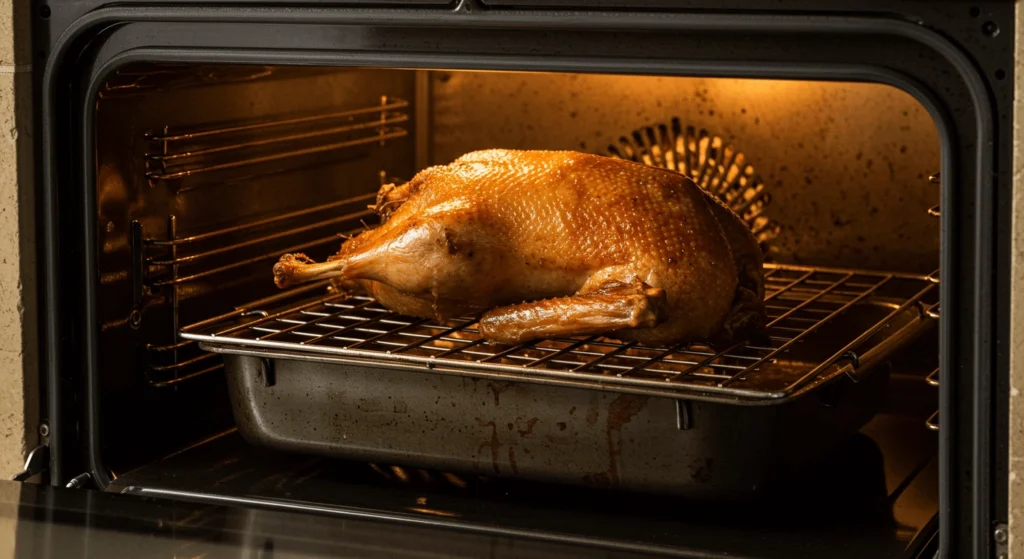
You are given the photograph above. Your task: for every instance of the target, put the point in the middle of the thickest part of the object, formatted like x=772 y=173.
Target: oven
x=185 y=148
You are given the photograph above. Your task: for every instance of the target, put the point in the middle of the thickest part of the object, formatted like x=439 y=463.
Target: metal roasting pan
x=498 y=424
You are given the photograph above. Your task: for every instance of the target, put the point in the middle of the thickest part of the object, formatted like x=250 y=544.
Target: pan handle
x=859 y=366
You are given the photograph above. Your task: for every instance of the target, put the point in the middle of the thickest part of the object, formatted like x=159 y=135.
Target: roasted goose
x=554 y=243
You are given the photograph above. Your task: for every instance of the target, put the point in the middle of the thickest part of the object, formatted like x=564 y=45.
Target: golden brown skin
x=555 y=243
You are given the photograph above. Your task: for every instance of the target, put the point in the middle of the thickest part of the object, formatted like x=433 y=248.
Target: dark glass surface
x=874 y=498
x=64 y=523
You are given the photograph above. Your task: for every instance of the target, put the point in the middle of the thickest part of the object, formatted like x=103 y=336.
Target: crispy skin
x=636 y=252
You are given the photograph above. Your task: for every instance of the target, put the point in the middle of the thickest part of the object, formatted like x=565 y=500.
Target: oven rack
x=177 y=154
x=817 y=331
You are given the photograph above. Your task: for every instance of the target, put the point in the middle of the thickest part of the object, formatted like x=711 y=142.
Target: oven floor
x=877 y=497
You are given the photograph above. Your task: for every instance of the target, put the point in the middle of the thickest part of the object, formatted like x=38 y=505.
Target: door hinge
x=38 y=461
x=79 y=481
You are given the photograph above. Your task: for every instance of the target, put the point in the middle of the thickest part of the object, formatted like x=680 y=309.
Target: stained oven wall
x=847 y=164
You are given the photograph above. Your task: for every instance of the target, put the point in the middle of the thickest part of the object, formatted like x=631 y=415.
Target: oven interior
x=205 y=175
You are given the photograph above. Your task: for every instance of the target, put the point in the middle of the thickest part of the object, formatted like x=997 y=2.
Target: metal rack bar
x=192 y=375
x=247 y=261
x=562 y=351
x=298 y=325
x=933 y=377
x=386 y=134
x=261 y=222
x=181 y=364
x=176 y=258
x=264 y=239
x=388 y=104
x=509 y=351
x=172 y=157
x=433 y=337
x=264 y=318
x=454 y=350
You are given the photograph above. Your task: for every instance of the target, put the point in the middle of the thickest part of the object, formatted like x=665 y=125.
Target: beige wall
x=1017 y=306
x=17 y=257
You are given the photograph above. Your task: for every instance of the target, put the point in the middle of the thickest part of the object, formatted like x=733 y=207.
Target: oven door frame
x=975 y=170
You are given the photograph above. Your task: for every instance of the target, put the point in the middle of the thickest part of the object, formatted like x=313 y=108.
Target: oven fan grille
x=712 y=162
x=811 y=340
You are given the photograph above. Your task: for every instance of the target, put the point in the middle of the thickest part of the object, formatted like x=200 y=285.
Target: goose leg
x=614 y=306
x=293 y=269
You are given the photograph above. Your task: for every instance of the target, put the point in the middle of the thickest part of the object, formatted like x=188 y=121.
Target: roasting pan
x=715 y=434
x=521 y=429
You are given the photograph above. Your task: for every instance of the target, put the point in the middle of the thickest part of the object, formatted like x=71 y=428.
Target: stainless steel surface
x=822 y=320
x=712 y=162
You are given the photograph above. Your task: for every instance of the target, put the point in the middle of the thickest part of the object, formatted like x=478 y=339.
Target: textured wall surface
x=846 y=163
x=18 y=371
x=1017 y=306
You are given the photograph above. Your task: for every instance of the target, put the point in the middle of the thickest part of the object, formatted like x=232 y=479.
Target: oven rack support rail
x=168 y=263
x=932 y=423
x=177 y=154
x=811 y=341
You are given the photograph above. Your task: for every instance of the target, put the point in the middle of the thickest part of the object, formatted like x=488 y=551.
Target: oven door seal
x=973 y=180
